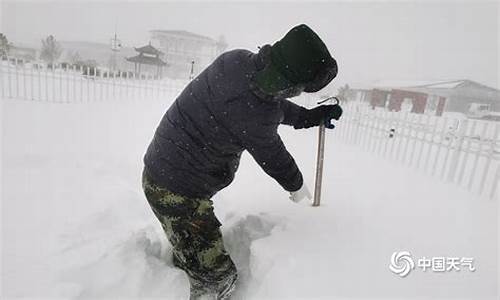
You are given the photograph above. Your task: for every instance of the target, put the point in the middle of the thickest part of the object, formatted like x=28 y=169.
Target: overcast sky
x=370 y=40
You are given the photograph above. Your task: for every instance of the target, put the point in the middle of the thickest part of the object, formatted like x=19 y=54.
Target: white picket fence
x=71 y=84
x=464 y=152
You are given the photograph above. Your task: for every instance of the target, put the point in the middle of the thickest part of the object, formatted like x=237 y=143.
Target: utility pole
x=116 y=46
x=191 y=75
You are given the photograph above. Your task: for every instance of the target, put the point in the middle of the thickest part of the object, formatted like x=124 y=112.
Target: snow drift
x=76 y=225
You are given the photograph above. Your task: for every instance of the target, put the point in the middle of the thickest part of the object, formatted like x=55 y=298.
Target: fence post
x=448 y=151
x=458 y=148
x=80 y=75
x=372 y=130
x=345 y=122
x=119 y=85
x=151 y=88
x=134 y=89
x=390 y=135
x=108 y=74
x=431 y=143
x=360 y=131
x=114 y=85
x=395 y=137
x=478 y=154
x=489 y=157
x=466 y=152
x=60 y=84
x=32 y=84
x=54 y=98
x=496 y=179
x=67 y=74
x=73 y=76
x=87 y=77
x=383 y=131
x=400 y=134
x=349 y=136
x=46 y=75
x=101 y=86
x=17 y=79
x=39 y=76
x=440 y=144
x=125 y=86
x=2 y=83
x=384 y=138
x=25 y=92
x=376 y=129
x=9 y=77
x=424 y=139
x=417 y=129
x=143 y=86
x=94 y=84
x=158 y=81
x=364 y=121
x=408 y=125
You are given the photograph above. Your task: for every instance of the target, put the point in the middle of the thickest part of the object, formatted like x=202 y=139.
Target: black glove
x=321 y=114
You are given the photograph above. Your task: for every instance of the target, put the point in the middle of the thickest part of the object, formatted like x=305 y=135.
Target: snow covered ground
x=75 y=223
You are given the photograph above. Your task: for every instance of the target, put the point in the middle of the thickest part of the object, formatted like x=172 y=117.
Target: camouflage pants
x=193 y=230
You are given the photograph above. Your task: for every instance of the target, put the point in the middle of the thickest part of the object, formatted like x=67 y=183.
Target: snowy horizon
x=414 y=40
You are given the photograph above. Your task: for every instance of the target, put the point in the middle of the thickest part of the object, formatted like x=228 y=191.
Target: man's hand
x=321 y=114
x=325 y=113
x=299 y=195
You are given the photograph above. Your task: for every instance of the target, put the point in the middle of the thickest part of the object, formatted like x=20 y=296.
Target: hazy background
x=419 y=40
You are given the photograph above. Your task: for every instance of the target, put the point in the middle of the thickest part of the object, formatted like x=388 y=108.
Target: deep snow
x=75 y=223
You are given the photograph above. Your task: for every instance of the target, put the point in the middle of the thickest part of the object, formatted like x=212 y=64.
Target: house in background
x=462 y=96
x=182 y=48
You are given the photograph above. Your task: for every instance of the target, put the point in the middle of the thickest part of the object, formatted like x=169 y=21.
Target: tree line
x=50 y=53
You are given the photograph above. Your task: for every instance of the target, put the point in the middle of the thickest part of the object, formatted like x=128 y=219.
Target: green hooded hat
x=299 y=58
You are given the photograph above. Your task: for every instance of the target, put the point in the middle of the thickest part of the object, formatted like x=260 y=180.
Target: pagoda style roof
x=148 y=49
x=146 y=60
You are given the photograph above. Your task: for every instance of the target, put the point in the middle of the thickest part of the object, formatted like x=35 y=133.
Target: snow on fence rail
x=465 y=152
x=73 y=84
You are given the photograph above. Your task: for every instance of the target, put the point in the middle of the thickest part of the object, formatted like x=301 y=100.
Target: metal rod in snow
x=319 y=165
x=320 y=158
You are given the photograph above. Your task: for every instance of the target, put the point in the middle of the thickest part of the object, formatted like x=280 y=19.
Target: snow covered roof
x=148 y=49
x=440 y=86
x=444 y=84
x=183 y=33
x=390 y=84
x=400 y=83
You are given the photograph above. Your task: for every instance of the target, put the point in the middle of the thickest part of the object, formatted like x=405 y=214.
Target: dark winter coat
x=197 y=146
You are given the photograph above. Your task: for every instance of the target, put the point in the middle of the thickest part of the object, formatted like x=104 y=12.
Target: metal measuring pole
x=320 y=158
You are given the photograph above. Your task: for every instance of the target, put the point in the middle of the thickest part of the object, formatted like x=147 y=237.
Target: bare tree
x=51 y=50
x=74 y=57
x=4 y=45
